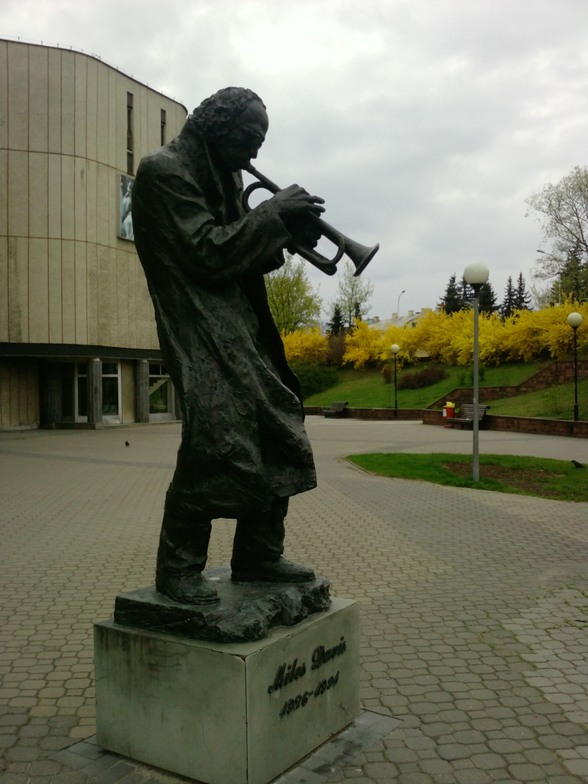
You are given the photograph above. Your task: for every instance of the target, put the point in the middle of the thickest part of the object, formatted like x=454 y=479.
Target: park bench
x=466 y=415
x=336 y=410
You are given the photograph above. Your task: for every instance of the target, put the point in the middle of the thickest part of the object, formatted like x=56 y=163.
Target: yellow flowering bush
x=524 y=337
x=363 y=346
x=306 y=345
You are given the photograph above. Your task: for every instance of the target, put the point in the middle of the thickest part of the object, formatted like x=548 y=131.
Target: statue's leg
x=182 y=553
x=258 y=546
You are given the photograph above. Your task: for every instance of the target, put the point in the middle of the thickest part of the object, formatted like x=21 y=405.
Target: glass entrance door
x=111 y=391
x=161 y=396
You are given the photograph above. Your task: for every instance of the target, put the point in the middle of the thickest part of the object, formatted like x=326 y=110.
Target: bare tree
x=353 y=295
x=563 y=210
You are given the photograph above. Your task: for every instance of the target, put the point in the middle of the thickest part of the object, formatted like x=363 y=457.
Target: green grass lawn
x=556 y=402
x=366 y=389
x=542 y=477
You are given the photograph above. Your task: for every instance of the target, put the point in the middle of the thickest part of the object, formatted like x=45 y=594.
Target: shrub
x=314 y=378
x=466 y=377
x=336 y=349
x=421 y=378
x=306 y=346
x=363 y=346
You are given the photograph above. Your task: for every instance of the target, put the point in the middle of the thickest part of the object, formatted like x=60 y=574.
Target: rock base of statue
x=227 y=713
x=246 y=611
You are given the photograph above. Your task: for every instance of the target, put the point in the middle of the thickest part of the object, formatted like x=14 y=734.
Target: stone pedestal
x=227 y=713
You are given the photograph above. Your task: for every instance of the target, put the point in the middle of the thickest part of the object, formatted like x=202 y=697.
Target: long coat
x=243 y=437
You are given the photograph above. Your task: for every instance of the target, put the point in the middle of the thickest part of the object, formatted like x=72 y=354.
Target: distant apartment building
x=78 y=344
x=411 y=318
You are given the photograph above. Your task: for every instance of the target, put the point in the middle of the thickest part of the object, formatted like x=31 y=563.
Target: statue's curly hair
x=216 y=115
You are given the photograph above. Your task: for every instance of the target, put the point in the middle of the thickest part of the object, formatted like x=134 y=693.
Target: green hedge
x=314 y=378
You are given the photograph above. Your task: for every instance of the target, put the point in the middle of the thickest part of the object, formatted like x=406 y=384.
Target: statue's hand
x=295 y=201
x=306 y=232
x=297 y=208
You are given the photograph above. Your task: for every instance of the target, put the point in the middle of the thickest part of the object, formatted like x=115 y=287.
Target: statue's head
x=234 y=123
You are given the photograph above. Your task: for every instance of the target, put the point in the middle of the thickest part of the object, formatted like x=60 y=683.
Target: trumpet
x=360 y=255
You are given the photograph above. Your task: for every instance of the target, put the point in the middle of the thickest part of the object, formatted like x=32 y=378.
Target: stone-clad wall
x=65 y=275
x=19 y=393
x=537 y=425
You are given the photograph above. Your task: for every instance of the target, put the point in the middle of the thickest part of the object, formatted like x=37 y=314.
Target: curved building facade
x=78 y=343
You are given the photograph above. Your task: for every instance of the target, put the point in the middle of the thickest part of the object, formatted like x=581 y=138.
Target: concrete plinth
x=233 y=713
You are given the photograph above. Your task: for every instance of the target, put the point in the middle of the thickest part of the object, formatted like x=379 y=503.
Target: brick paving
x=474 y=605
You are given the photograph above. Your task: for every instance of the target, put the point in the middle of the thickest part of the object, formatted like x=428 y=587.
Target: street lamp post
x=574 y=320
x=476 y=275
x=398 y=303
x=395 y=348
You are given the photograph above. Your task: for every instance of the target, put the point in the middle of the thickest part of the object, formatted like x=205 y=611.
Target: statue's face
x=243 y=141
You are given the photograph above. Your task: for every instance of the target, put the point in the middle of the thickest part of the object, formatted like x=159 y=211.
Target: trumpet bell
x=359 y=254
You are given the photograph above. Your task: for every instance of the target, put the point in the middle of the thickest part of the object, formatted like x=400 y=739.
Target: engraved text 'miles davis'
x=288 y=673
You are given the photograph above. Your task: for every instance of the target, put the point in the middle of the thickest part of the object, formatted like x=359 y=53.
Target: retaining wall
x=537 y=425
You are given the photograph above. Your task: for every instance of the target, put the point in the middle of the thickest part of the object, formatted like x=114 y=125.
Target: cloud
x=425 y=125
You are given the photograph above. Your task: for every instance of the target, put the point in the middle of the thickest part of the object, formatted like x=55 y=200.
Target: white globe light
x=395 y=348
x=575 y=319
x=476 y=274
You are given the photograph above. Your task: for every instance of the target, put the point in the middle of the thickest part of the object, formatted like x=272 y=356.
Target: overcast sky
x=425 y=124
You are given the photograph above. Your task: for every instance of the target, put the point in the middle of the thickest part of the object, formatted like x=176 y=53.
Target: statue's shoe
x=280 y=571
x=186 y=587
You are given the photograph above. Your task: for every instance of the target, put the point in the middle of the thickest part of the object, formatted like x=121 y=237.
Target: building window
x=130 y=138
x=162 y=127
x=161 y=397
x=110 y=390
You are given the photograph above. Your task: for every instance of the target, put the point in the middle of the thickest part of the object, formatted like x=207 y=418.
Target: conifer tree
x=573 y=279
x=508 y=303
x=467 y=293
x=336 y=325
x=452 y=301
x=522 y=298
x=487 y=299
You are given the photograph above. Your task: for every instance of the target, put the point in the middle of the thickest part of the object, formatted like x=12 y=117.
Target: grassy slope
x=556 y=402
x=366 y=389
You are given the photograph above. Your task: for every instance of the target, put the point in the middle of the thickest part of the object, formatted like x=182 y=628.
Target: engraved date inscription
x=302 y=699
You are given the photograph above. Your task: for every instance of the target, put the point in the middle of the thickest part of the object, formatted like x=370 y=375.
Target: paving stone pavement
x=474 y=605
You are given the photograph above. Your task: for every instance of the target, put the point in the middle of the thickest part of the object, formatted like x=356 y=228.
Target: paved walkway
x=474 y=605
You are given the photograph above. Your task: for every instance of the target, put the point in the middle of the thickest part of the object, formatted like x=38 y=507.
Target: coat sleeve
x=173 y=222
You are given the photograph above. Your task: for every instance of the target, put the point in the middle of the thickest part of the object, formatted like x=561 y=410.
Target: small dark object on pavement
x=578 y=465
